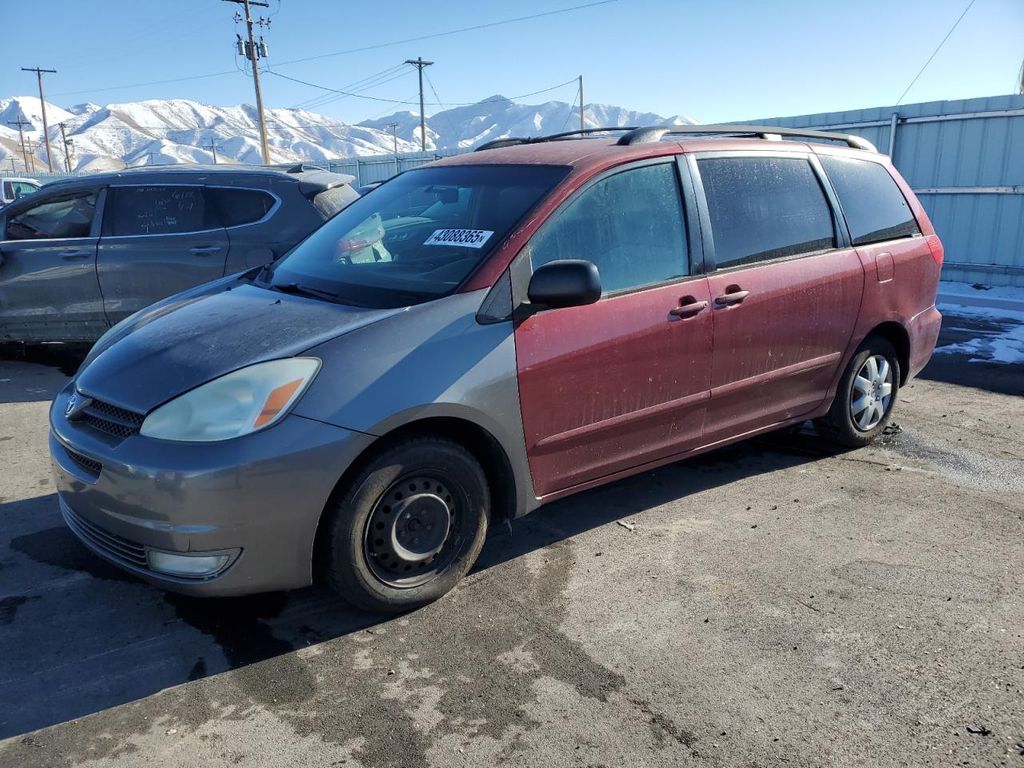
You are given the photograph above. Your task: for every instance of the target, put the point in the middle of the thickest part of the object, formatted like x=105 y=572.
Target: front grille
x=111 y=420
x=85 y=462
x=114 y=546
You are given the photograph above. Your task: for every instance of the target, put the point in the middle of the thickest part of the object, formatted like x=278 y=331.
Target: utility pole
x=254 y=52
x=42 y=104
x=21 y=136
x=67 y=143
x=394 y=137
x=13 y=169
x=213 y=146
x=583 y=126
x=30 y=150
x=419 y=63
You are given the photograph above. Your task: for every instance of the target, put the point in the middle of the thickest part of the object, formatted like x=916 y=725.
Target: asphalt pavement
x=773 y=603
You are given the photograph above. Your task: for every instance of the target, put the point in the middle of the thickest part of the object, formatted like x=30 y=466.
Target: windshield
x=417 y=237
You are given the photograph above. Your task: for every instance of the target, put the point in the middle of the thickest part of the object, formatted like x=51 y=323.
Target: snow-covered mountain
x=498 y=117
x=181 y=131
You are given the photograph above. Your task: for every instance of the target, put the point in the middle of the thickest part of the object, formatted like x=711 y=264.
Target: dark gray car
x=82 y=254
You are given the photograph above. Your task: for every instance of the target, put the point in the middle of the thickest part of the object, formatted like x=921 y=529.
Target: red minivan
x=488 y=333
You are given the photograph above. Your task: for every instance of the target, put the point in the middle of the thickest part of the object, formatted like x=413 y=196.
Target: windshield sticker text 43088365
x=466 y=238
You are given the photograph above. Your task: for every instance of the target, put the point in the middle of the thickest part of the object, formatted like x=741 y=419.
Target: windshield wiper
x=305 y=290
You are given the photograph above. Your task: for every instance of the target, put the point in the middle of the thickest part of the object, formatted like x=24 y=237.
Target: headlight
x=235 y=404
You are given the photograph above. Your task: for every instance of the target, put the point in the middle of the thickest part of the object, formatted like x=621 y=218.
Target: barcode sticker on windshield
x=466 y=238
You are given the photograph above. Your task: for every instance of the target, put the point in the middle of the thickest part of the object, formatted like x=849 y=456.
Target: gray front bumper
x=259 y=497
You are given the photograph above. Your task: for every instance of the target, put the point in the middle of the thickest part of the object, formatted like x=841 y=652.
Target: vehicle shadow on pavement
x=78 y=635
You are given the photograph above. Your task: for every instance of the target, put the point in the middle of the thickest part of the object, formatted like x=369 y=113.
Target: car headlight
x=236 y=404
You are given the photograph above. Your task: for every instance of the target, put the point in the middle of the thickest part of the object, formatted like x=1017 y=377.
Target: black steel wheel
x=408 y=527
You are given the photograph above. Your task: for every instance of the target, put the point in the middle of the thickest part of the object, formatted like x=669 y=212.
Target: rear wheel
x=865 y=397
x=408 y=527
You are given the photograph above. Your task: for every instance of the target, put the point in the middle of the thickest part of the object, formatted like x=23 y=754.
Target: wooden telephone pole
x=42 y=104
x=67 y=144
x=254 y=52
x=21 y=136
x=583 y=126
x=419 y=63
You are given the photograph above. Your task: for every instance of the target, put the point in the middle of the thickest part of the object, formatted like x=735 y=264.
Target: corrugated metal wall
x=381 y=167
x=965 y=161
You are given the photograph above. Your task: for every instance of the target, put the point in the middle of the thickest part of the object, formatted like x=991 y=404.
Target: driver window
x=68 y=217
x=630 y=225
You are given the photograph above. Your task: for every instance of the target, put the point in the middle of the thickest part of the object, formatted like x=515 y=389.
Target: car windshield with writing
x=417 y=237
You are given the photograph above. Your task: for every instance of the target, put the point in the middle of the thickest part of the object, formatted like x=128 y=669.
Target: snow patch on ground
x=1004 y=342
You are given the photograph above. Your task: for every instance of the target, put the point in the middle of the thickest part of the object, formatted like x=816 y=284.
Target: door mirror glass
x=565 y=283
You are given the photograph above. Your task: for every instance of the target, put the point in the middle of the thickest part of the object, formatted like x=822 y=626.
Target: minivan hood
x=211 y=335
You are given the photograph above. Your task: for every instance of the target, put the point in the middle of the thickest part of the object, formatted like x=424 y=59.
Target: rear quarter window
x=764 y=208
x=874 y=206
x=240 y=206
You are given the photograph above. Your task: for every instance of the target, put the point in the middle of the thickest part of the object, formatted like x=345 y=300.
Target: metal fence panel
x=965 y=161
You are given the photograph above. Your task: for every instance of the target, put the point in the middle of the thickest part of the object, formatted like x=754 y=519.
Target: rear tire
x=408 y=527
x=865 y=397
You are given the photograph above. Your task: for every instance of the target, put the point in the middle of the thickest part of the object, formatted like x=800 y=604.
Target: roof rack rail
x=655 y=133
x=512 y=141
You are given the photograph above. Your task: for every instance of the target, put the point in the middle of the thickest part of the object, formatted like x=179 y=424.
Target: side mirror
x=565 y=283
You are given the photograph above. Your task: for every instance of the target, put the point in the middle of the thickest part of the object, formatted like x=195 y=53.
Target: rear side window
x=68 y=217
x=764 y=208
x=630 y=225
x=874 y=206
x=240 y=206
x=157 y=210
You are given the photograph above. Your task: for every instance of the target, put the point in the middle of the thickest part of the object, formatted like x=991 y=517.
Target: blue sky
x=713 y=61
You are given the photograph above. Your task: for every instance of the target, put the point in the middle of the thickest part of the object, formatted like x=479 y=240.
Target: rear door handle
x=688 y=307
x=731 y=297
x=205 y=250
x=74 y=253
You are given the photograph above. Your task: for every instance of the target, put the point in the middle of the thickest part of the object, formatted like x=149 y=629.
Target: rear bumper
x=923 y=330
x=257 y=499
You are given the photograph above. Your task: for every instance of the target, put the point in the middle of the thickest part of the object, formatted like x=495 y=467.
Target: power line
x=351 y=50
x=935 y=52
x=444 y=109
x=431 y=104
x=355 y=89
x=363 y=84
x=435 y=35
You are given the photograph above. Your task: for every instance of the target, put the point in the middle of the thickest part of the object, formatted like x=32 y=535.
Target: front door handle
x=72 y=254
x=205 y=250
x=688 y=307
x=732 y=295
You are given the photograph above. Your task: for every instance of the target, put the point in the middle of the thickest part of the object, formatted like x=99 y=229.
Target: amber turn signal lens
x=276 y=401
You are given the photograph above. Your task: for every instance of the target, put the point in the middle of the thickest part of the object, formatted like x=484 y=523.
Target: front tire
x=408 y=527
x=865 y=397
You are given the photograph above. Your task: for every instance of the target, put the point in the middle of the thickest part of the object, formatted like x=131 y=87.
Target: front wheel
x=865 y=396
x=408 y=527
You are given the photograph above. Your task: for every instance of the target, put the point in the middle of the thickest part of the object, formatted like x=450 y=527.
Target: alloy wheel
x=871 y=394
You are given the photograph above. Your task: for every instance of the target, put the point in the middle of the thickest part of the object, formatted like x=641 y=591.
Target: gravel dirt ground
x=774 y=603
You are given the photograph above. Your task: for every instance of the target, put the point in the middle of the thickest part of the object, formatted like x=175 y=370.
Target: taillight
x=935 y=246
